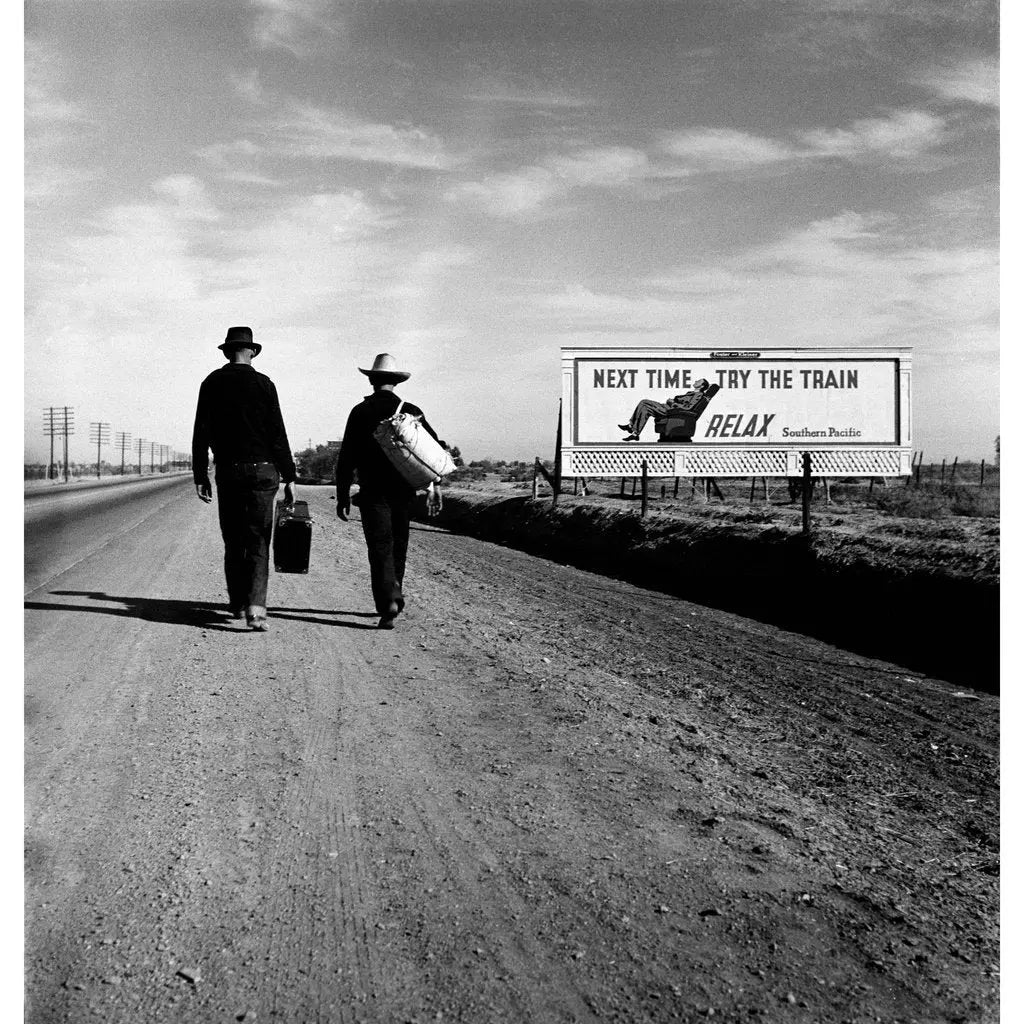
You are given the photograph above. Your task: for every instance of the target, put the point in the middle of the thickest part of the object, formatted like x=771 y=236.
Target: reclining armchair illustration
x=679 y=422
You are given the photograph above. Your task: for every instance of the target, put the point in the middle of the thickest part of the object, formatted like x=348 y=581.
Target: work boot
x=256 y=616
x=387 y=620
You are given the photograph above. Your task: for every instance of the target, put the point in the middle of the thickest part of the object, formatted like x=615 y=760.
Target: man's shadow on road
x=199 y=614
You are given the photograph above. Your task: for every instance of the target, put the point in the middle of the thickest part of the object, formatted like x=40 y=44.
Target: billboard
x=777 y=399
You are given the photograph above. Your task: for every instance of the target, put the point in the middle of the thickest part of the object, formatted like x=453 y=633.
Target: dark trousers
x=645 y=409
x=385 y=521
x=245 y=507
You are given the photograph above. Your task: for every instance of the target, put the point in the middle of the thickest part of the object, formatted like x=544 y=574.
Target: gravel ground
x=547 y=796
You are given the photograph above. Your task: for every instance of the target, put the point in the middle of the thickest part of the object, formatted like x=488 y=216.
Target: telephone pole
x=140 y=442
x=58 y=420
x=121 y=440
x=100 y=433
x=69 y=428
x=152 y=452
x=51 y=427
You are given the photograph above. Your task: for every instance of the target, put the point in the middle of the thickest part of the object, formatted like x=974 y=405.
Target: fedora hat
x=384 y=366
x=240 y=337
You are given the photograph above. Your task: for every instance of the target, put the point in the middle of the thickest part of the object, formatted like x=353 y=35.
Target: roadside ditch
x=929 y=604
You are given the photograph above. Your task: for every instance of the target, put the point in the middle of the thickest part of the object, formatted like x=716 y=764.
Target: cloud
x=248 y=86
x=44 y=103
x=900 y=136
x=150 y=260
x=511 y=195
x=521 y=193
x=708 y=148
x=319 y=133
x=851 y=33
x=189 y=194
x=506 y=95
x=844 y=280
x=975 y=81
x=903 y=135
x=54 y=129
x=603 y=167
x=237 y=161
x=298 y=26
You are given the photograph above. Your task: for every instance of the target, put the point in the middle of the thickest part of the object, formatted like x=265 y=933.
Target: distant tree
x=316 y=465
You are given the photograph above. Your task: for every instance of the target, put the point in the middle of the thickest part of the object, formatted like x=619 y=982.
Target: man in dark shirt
x=385 y=500
x=239 y=417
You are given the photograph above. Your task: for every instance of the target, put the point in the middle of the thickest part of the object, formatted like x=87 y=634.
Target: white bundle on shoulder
x=411 y=450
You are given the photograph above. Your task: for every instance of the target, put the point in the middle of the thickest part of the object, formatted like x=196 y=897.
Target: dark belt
x=253 y=464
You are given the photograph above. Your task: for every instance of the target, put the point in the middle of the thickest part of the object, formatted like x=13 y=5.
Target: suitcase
x=293 y=532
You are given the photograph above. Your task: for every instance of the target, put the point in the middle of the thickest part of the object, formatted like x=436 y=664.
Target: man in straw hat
x=239 y=417
x=385 y=500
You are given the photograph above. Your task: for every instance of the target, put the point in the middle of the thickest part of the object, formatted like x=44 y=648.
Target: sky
x=472 y=185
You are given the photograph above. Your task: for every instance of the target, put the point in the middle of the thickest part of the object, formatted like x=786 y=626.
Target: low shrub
x=936 y=503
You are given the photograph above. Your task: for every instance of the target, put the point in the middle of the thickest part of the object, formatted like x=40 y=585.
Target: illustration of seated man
x=676 y=419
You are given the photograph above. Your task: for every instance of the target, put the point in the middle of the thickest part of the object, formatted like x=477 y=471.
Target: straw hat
x=384 y=366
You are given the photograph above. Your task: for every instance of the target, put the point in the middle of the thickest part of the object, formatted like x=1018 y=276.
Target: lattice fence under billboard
x=712 y=462
x=870 y=462
x=705 y=460
x=618 y=462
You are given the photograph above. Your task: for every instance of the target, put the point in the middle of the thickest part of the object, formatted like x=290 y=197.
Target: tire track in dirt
x=515 y=975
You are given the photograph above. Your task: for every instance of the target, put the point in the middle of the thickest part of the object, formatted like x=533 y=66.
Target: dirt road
x=547 y=796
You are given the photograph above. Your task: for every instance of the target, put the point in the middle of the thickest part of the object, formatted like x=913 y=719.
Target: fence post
x=982 y=483
x=675 y=490
x=536 y=486
x=643 y=488
x=622 y=487
x=558 y=458
x=917 y=475
x=753 y=480
x=807 y=494
x=942 y=479
x=952 y=472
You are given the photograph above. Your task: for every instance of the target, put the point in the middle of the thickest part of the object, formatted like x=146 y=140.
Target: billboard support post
x=807 y=485
x=643 y=488
x=558 y=457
